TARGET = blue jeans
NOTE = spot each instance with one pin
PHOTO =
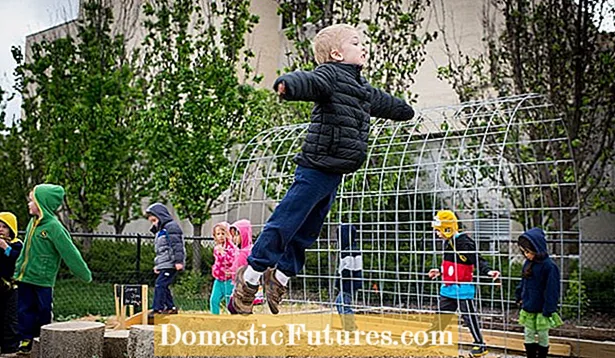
(221, 289)
(34, 309)
(343, 303)
(163, 299)
(296, 222)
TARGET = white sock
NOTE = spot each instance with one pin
(251, 276)
(281, 277)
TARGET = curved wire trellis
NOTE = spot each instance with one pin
(502, 165)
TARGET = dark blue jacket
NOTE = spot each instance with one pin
(351, 261)
(7, 262)
(540, 292)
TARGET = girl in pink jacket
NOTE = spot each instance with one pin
(241, 230)
(225, 253)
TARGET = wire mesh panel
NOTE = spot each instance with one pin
(503, 166)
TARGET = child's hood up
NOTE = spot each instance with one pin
(48, 198)
(161, 212)
(245, 230)
(538, 240)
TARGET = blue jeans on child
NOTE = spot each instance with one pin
(34, 306)
(343, 303)
(163, 299)
(221, 289)
(296, 222)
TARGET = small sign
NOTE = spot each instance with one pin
(129, 296)
(132, 295)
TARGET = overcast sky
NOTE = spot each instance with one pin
(20, 18)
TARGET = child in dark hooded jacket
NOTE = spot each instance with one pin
(170, 256)
(538, 293)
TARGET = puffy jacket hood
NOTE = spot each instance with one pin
(11, 221)
(48, 198)
(537, 237)
(245, 230)
(161, 212)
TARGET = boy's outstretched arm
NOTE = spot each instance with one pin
(305, 86)
(386, 106)
(71, 255)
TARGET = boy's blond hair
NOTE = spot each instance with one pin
(330, 38)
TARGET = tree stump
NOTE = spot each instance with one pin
(116, 344)
(141, 341)
(72, 340)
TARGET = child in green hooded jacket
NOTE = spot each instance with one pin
(46, 244)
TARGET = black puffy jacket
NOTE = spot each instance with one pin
(336, 141)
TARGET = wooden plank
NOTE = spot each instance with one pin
(510, 343)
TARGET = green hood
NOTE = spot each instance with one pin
(48, 198)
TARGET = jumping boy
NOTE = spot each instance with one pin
(336, 144)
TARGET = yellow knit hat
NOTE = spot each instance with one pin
(10, 220)
(445, 222)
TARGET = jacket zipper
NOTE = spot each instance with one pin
(25, 260)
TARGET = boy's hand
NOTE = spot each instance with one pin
(156, 271)
(281, 88)
(179, 267)
(494, 275)
(434, 273)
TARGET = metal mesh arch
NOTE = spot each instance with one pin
(503, 166)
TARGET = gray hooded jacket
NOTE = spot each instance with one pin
(169, 239)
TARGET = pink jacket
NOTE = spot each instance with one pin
(245, 229)
(223, 261)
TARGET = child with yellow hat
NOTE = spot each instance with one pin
(457, 271)
(10, 247)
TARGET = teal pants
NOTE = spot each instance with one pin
(543, 336)
(221, 289)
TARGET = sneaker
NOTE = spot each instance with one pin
(173, 310)
(25, 347)
(273, 290)
(242, 300)
(478, 351)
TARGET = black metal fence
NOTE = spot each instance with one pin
(129, 259)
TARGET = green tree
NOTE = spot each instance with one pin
(14, 179)
(199, 107)
(553, 48)
(80, 100)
